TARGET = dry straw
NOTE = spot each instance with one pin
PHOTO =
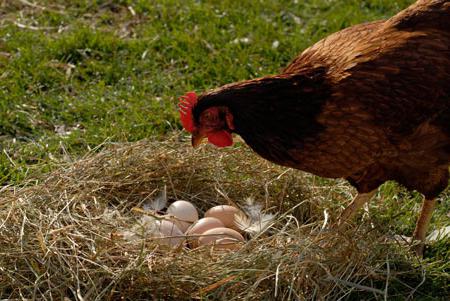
(60, 235)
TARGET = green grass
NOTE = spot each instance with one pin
(75, 75)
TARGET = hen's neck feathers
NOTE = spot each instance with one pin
(275, 110)
(266, 90)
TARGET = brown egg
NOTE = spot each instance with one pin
(225, 214)
(200, 226)
(222, 238)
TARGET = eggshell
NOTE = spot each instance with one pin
(225, 214)
(167, 229)
(222, 238)
(184, 212)
(202, 225)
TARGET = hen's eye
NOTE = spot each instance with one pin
(207, 115)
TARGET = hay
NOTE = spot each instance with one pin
(60, 234)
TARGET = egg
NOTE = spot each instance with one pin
(170, 234)
(222, 238)
(227, 243)
(204, 224)
(184, 212)
(200, 226)
(225, 214)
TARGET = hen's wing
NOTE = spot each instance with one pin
(390, 110)
(403, 79)
(398, 70)
(335, 50)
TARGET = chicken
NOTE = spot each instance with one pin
(370, 103)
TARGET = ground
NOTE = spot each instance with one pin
(75, 78)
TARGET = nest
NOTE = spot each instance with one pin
(60, 233)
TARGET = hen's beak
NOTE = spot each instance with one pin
(197, 138)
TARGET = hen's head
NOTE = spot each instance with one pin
(214, 123)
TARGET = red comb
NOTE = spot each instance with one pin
(186, 103)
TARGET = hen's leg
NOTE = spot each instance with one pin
(422, 224)
(356, 204)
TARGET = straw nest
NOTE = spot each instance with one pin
(60, 235)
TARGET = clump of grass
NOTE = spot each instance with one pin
(60, 233)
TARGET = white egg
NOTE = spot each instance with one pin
(200, 226)
(170, 234)
(225, 214)
(184, 212)
(222, 238)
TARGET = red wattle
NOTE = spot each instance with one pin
(221, 139)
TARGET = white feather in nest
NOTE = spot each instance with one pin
(159, 203)
(165, 231)
(154, 226)
(252, 219)
(146, 226)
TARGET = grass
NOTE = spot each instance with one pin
(76, 75)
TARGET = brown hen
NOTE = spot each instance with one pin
(370, 103)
